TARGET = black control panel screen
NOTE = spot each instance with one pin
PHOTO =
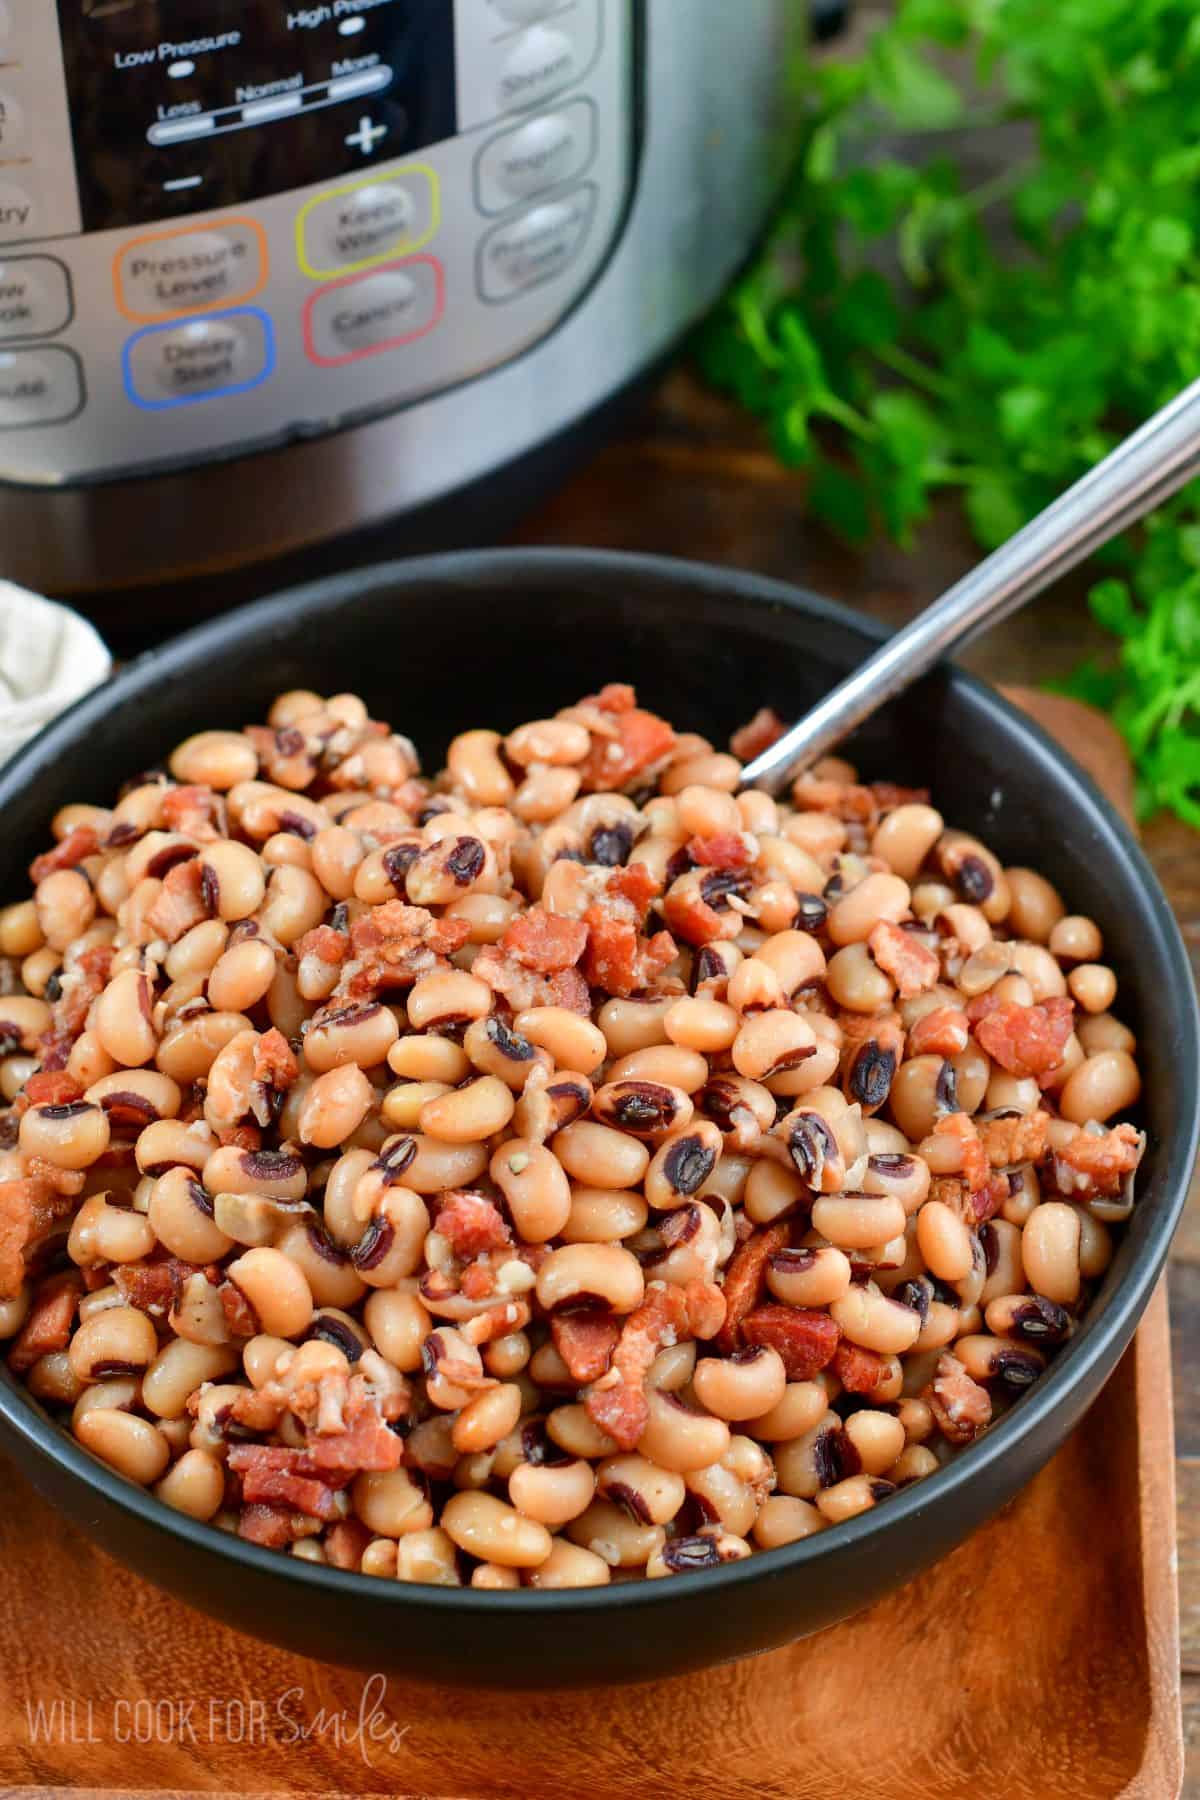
(182, 105)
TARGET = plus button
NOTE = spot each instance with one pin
(367, 135)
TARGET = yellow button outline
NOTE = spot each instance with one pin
(377, 178)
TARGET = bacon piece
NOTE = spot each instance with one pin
(272, 1526)
(477, 1281)
(472, 1224)
(618, 958)
(395, 944)
(987, 1201)
(757, 735)
(366, 1443)
(1103, 1160)
(541, 940)
(29, 1210)
(859, 1371)
(951, 1191)
(181, 903)
(667, 1314)
(975, 1165)
(345, 1543)
(190, 811)
(274, 1064)
(844, 800)
(806, 1339)
(275, 1486)
(889, 795)
(240, 1316)
(54, 1088)
(745, 1279)
(635, 884)
(66, 854)
(641, 739)
(615, 697)
(326, 944)
(1017, 1140)
(585, 1341)
(727, 850)
(942, 1032)
(154, 1287)
(901, 954)
(983, 1004)
(48, 1326)
(960, 1406)
(523, 988)
(1027, 1040)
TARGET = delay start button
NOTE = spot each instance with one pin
(202, 359)
(174, 272)
(369, 313)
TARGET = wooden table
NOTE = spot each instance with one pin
(691, 476)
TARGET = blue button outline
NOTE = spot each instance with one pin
(208, 318)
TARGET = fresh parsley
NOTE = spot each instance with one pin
(908, 330)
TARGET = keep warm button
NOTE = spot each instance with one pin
(535, 246)
(176, 365)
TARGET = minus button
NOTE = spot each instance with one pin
(257, 112)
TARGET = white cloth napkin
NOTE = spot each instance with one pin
(49, 658)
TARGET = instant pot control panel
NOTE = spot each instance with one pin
(227, 223)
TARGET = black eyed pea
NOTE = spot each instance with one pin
(447, 997)
(448, 869)
(275, 1174)
(215, 759)
(473, 759)
(66, 906)
(805, 1464)
(14, 1310)
(276, 1290)
(801, 1406)
(1095, 1246)
(569, 1566)
(392, 1246)
(391, 1503)
(672, 1368)
(1102, 1085)
(1028, 1318)
(20, 932)
(178, 1370)
(668, 1065)
(944, 1242)
(335, 1106)
(784, 1519)
(400, 1108)
(603, 1272)
(493, 1578)
(922, 1089)
(682, 1165)
(574, 1430)
(495, 1049)
(469, 1114)
(232, 882)
(599, 1156)
(553, 1493)
(1001, 1242)
(706, 1549)
(877, 1437)
(645, 1109)
(332, 1277)
(772, 1191)
(486, 1527)
(649, 1494)
(770, 1042)
(613, 1535)
(486, 1419)
(122, 1392)
(856, 982)
(702, 1024)
(689, 1245)
(725, 1497)
(987, 1358)
(261, 1358)
(900, 1175)
(809, 1277)
(241, 976)
(53, 1380)
(122, 1019)
(418, 1058)
(875, 1322)
(190, 1047)
(168, 1144)
(857, 1494)
(535, 1187)
(343, 1222)
(914, 1463)
(428, 1557)
(362, 1034)
(632, 1025)
(508, 1355)
(453, 1369)
(1024, 1193)
(1050, 1245)
(133, 1447)
(877, 897)
(596, 1215)
(743, 1385)
(436, 1165)
(905, 837)
(1035, 907)
(680, 1438)
(398, 1327)
(194, 1485)
(572, 1042)
(857, 1221)
(102, 1232)
(116, 1340)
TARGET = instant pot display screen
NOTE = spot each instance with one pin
(182, 105)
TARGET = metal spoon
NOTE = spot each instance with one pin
(1136, 477)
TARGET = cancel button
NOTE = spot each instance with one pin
(375, 312)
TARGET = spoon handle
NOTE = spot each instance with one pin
(1132, 480)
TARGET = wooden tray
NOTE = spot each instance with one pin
(1040, 1660)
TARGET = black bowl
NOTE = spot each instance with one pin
(438, 645)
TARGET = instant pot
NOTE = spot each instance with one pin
(276, 271)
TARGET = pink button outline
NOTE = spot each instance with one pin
(338, 362)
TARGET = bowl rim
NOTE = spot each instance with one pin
(1068, 1372)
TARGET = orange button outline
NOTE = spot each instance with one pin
(222, 301)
